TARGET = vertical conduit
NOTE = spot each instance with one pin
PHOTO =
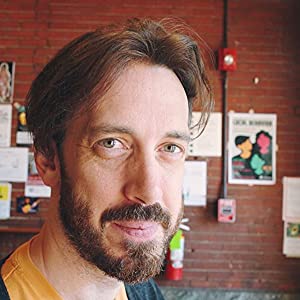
(224, 102)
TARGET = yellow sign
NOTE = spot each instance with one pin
(4, 192)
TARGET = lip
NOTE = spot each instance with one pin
(137, 230)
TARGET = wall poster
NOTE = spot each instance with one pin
(251, 150)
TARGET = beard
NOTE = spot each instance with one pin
(139, 261)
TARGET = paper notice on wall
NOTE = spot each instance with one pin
(209, 143)
(24, 138)
(5, 124)
(195, 183)
(291, 239)
(5, 200)
(291, 199)
(13, 164)
(34, 186)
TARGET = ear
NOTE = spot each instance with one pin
(48, 168)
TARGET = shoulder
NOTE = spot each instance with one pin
(147, 290)
(3, 291)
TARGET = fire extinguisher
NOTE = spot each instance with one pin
(175, 254)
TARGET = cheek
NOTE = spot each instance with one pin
(173, 193)
(98, 186)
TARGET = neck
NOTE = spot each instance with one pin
(71, 276)
(245, 154)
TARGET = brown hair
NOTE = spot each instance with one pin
(85, 69)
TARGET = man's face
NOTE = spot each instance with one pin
(246, 146)
(122, 171)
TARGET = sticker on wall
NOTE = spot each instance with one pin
(252, 144)
(293, 230)
(7, 73)
(27, 205)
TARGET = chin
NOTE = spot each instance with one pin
(137, 262)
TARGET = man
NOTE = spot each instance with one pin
(110, 120)
(241, 167)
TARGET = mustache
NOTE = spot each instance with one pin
(138, 212)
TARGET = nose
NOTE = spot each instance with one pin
(144, 180)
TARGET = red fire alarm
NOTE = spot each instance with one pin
(227, 59)
(226, 210)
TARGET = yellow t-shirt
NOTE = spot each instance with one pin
(23, 280)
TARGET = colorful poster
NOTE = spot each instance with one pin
(7, 73)
(252, 148)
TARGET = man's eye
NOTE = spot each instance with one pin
(171, 148)
(111, 143)
(108, 148)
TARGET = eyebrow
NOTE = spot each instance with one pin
(178, 135)
(93, 130)
(109, 129)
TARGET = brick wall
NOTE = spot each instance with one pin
(266, 34)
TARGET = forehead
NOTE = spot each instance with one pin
(145, 95)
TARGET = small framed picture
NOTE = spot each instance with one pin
(7, 78)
